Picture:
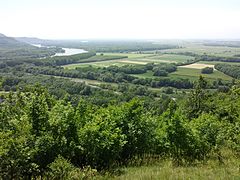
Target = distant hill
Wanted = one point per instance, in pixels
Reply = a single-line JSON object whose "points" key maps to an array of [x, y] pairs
{"points": [[13, 49], [9, 42], [32, 40], [2, 35]]}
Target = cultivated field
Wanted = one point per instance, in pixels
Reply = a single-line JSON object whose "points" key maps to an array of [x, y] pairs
{"points": [[135, 59], [197, 66], [193, 73], [190, 73]]}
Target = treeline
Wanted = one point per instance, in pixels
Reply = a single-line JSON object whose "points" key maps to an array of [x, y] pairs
{"points": [[108, 75], [206, 57], [234, 44], [141, 69], [101, 94], [163, 69], [231, 70], [62, 60], [128, 69], [48, 138], [217, 58], [50, 61], [111, 46]]}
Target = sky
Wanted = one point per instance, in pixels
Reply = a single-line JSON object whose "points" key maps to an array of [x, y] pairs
{"points": [[121, 19]]}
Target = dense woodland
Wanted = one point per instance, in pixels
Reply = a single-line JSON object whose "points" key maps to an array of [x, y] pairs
{"points": [[231, 70], [40, 134]]}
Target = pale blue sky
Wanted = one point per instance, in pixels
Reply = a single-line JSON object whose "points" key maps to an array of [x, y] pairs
{"points": [[144, 19]]}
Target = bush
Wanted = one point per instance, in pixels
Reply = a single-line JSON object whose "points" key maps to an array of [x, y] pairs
{"points": [[160, 73], [207, 70], [60, 169], [176, 139], [101, 141], [63, 169]]}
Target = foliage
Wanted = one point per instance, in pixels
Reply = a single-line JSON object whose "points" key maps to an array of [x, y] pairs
{"points": [[44, 136], [231, 70], [207, 70]]}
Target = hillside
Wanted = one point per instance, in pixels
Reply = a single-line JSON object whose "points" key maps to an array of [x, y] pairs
{"points": [[12, 49], [32, 40], [6, 42]]}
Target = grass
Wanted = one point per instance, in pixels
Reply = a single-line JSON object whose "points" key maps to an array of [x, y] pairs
{"points": [[172, 58], [164, 169], [130, 55], [95, 59], [148, 74], [194, 74], [133, 59], [99, 64], [189, 73]]}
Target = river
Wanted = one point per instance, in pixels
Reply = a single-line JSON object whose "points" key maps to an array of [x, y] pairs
{"points": [[68, 51]]}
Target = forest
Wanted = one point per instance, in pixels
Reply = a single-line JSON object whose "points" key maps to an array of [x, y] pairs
{"points": [[40, 134]]}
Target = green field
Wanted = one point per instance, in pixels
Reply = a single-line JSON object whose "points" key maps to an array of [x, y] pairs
{"points": [[130, 55], [189, 73], [194, 74], [134, 59], [172, 58], [96, 64]]}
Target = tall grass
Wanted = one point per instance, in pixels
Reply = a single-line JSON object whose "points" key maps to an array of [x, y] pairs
{"points": [[154, 168]]}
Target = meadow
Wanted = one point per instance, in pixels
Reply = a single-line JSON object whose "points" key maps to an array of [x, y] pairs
{"points": [[164, 169]]}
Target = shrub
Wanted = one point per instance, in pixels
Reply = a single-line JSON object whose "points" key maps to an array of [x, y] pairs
{"points": [[60, 168], [160, 73], [207, 70]]}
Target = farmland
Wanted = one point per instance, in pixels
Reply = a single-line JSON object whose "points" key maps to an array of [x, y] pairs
{"points": [[191, 71], [194, 73], [134, 59]]}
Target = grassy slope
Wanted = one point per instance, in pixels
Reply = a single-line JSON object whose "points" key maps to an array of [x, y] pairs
{"points": [[164, 169]]}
